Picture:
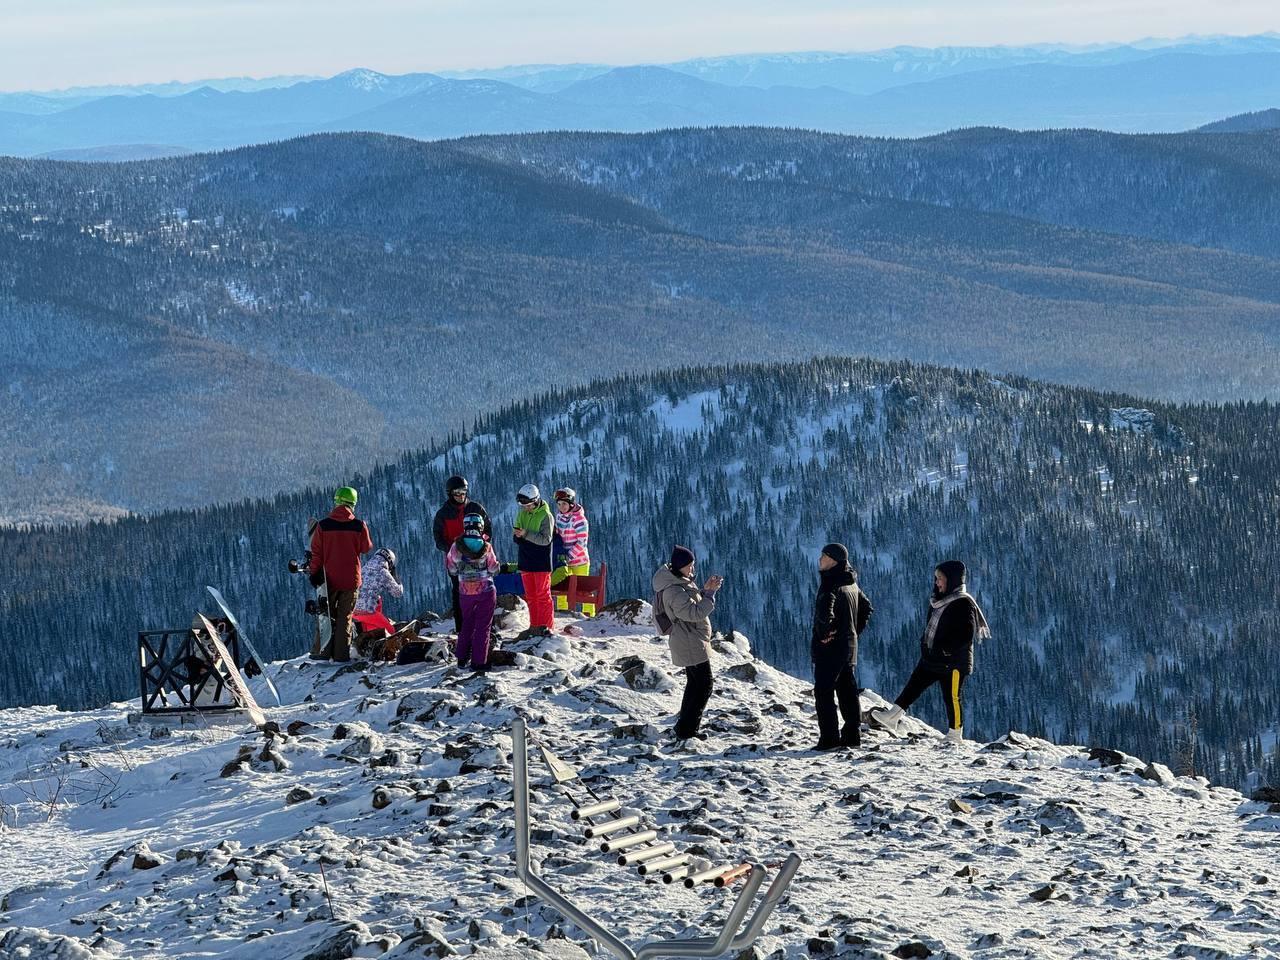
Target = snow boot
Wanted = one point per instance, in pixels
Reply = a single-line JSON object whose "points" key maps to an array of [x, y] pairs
{"points": [[851, 736], [676, 736], [826, 744], [888, 718], [955, 735]]}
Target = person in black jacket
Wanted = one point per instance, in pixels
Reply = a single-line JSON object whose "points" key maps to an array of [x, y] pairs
{"points": [[946, 650], [448, 527], [840, 614]]}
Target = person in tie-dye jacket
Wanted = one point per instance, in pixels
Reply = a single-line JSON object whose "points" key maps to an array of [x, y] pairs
{"points": [[471, 559], [570, 548], [378, 576]]}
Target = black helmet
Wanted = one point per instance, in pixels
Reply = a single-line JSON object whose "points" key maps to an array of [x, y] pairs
{"points": [[455, 483]]}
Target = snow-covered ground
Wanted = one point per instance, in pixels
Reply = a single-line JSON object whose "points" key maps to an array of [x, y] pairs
{"points": [[396, 780]]}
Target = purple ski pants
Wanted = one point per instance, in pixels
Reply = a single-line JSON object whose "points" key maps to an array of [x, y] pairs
{"points": [[477, 615]]}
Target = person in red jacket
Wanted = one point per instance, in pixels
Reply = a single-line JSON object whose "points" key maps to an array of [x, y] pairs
{"points": [[337, 543]]}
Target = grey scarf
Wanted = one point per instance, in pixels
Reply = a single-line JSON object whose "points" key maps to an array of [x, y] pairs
{"points": [[941, 603]]}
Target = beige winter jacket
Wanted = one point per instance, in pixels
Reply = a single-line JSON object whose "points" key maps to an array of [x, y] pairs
{"points": [[690, 612]]}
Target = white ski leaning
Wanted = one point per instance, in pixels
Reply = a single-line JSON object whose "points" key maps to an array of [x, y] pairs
{"points": [[253, 651], [218, 656]]}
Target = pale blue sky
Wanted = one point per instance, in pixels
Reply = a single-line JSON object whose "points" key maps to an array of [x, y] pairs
{"points": [[60, 43]]}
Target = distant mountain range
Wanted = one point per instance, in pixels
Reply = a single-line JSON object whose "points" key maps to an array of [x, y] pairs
{"points": [[873, 71], [51, 101], [229, 325], [901, 92]]}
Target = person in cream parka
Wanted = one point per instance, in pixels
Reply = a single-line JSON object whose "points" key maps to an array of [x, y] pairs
{"points": [[689, 608]]}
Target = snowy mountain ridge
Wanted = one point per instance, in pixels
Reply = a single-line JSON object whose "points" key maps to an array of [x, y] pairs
{"points": [[124, 838]]}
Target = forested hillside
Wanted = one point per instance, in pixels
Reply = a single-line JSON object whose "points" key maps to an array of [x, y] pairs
{"points": [[207, 328], [1245, 122], [1123, 551], [1220, 191]]}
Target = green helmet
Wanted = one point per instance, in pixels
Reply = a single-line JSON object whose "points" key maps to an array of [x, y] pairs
{"points": [[345, 496]]}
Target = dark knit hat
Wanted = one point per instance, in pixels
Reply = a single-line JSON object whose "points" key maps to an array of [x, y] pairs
{"points": [[955, 573], [837, 552], [681, 557]]}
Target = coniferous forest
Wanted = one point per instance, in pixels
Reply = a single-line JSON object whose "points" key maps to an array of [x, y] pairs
{"points": [[1123, 550]]}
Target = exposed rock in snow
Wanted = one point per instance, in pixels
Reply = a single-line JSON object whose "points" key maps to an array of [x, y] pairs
{"points": [[375, 819]]}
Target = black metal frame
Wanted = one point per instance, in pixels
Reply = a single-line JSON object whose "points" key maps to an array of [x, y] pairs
{"points": [[176, 673]]}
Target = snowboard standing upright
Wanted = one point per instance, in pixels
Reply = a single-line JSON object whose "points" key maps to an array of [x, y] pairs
{"points": [[322, 647], [253, 651]]}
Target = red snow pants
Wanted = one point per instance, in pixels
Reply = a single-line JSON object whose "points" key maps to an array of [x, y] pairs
{"points": [[537, 594]]}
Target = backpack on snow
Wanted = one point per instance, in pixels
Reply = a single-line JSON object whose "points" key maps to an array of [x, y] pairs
{"points": [[660, 618], [415, 651]]}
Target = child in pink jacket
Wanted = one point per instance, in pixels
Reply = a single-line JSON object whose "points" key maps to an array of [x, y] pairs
{"points": [[471, 559]]}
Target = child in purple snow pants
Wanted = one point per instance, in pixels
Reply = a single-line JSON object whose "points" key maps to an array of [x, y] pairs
{"points": [[472, 561], [477, 616]]}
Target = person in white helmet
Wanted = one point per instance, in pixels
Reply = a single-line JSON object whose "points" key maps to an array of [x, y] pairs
{"points": [[533, 532]]}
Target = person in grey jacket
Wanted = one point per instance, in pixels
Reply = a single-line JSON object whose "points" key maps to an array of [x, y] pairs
{"points": [[689, 609]]}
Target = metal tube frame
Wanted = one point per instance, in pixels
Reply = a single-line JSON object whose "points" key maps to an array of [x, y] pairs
{"points": [[595, 810], [694, 947], [615, 844], [632, 857], [666, 865], [597, 830]]}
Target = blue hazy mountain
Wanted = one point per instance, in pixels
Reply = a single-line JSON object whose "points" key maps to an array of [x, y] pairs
{"points": [[1162, 93], [1127, 89], [872, 71], [65, 97]]}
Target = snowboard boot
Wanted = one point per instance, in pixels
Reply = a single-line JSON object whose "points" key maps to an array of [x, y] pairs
{"points": [[851, 736], [827, 743], [955, 735], [888, 718]]}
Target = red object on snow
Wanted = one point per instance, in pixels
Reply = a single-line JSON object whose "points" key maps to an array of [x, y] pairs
{"points": [[373, 619], [586, 589]]}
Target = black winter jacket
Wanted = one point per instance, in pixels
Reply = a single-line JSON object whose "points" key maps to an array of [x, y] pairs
{"points": [[953, 639], [840, 608]]}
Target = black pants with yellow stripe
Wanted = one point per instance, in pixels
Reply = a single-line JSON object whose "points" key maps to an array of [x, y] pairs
{"points": [[950, 681]]}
